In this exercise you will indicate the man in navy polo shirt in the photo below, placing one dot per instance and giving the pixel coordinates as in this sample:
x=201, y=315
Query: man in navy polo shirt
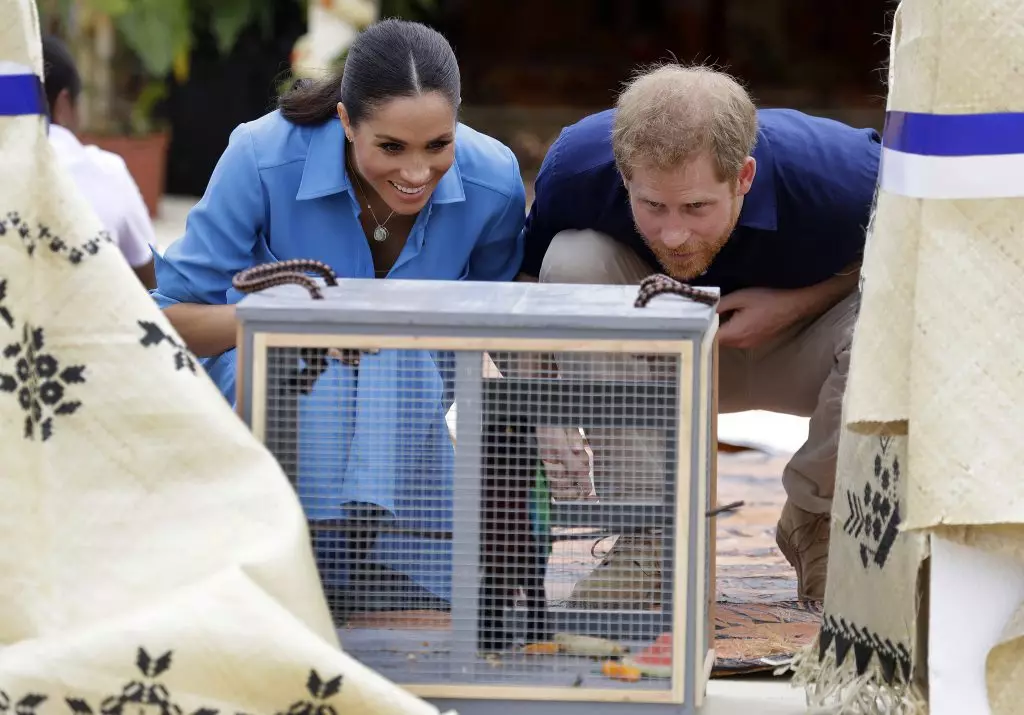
x=686, y=177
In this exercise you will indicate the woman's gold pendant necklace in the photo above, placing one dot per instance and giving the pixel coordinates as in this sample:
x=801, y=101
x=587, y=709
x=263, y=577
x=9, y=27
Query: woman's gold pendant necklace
x=381, y=233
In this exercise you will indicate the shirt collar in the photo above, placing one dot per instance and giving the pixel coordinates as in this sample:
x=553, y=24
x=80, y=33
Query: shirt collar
x=63, y=139
x=760, y=210
x=324, y=171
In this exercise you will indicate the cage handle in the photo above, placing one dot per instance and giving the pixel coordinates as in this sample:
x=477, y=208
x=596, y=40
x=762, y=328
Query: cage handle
x=660, y=284
x=268, y=275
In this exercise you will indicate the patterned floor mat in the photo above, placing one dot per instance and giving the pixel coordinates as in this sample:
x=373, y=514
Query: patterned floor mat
x=756, y=637
x=758, y=622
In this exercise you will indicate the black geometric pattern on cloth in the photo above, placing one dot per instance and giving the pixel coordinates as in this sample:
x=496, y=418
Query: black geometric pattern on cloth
x=27, y=705
x=874, y=518
x=38, y=379
x=153, y=335
x=35, y=235
x=5, y=312
x=894, y=658
x=146, y=695
x=42, y=385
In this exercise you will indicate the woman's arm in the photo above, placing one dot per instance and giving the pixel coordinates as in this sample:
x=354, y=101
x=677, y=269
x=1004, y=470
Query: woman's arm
x=194, y=274
x=207, y=330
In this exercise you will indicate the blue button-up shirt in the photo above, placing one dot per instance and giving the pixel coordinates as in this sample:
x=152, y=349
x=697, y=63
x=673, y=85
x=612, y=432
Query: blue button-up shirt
x=376, y=435
x=803, y=220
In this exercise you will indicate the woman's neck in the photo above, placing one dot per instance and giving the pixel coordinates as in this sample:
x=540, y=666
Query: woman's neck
x=380, y=210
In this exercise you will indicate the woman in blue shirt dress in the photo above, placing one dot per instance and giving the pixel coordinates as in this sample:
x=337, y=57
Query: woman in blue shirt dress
x=371, y=173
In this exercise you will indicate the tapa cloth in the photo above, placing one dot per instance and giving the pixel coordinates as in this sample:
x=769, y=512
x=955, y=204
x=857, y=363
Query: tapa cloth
x=936, y=366
x=154, y=554
x=867, y=658
x=937, y=349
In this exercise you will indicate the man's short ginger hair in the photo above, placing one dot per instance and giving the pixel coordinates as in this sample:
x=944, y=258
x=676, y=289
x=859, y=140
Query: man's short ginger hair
x=668, y=115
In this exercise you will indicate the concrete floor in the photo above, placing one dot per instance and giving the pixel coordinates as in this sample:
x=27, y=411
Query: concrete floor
x=753, y=697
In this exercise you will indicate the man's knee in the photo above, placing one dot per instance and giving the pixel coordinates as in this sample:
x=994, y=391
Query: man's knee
x=591, y=257
x=844, y=322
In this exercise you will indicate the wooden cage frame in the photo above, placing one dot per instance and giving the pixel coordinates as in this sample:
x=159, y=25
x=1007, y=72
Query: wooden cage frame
x=689, y=351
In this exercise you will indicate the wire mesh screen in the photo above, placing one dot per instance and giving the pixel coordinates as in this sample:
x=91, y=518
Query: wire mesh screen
x=497, y=518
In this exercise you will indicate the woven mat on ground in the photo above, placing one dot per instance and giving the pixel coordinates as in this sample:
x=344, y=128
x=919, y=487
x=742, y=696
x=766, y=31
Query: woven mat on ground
x=936, y=374
x=154, y=556
x=758, y=621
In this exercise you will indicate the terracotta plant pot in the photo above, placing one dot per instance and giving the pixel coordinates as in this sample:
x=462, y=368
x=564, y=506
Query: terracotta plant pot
x=146, y=158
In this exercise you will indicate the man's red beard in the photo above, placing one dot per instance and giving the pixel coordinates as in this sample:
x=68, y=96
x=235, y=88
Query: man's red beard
x=696, y=257
x=689, y=266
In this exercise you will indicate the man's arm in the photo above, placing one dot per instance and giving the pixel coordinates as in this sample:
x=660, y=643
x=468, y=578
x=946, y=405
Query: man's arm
x=838, y=191
x=548, y=212
x=845, y=207
x=752, y=317
x=817, y=299
x=147, y=274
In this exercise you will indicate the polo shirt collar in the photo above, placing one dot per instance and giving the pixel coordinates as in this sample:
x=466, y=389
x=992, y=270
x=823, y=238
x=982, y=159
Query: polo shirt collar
x=760, y=210
x=64, y=139
x=324, y=172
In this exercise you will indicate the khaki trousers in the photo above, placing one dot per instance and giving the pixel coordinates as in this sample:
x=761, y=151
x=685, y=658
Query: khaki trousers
x=802, y=372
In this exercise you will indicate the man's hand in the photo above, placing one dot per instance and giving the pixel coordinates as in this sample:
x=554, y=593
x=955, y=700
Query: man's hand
x=755, y=316
x=566, y=462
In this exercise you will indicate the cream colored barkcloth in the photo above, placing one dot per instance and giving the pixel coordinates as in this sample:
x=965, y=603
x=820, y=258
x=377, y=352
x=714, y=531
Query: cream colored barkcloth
x=152, y=552
x=937, y=365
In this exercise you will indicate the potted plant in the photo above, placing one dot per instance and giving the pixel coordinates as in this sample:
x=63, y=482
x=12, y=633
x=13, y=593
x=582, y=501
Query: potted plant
x=128, y=51
x=140, y=139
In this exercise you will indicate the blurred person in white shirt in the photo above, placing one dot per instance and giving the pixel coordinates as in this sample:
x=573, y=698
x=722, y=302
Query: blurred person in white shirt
x=101, y=176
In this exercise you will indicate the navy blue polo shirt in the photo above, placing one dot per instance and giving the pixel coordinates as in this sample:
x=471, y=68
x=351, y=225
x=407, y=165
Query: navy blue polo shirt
x=803, y=220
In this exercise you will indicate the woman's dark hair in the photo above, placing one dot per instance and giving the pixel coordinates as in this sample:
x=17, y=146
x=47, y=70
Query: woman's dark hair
x=389, y=59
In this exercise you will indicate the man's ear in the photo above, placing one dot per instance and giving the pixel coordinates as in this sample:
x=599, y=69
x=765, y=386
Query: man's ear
x=745, y=179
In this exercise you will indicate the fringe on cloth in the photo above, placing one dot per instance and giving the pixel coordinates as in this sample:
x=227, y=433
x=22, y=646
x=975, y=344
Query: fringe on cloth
x=838, y=689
